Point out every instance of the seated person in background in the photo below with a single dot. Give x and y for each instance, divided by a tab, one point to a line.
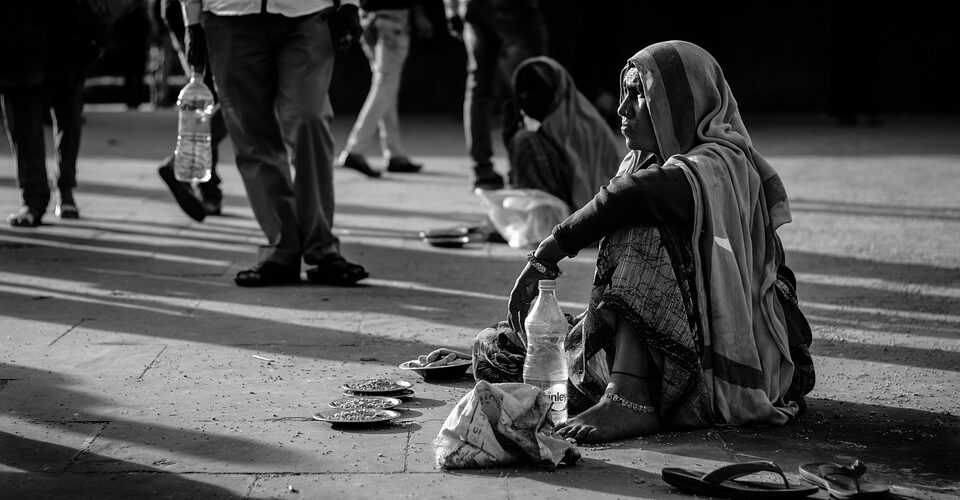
571	152
693	317
557	144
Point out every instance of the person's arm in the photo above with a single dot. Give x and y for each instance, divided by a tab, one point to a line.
653	196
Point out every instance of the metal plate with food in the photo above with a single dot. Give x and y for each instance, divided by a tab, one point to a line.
366	402
363	417
379	386
401	394
451	370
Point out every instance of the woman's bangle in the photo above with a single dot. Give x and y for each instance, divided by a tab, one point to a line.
548	270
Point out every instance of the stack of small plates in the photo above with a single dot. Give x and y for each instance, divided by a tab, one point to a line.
367	402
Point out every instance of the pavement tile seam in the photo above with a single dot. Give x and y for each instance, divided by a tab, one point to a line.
68	330
151	364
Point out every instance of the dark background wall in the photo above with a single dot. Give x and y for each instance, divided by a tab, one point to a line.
778	56
815	56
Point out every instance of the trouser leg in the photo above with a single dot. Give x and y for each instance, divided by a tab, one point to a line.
66	100
482	49
305	65
23	110
244	66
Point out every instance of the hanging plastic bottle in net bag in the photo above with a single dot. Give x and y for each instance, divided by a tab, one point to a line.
545	365
194	153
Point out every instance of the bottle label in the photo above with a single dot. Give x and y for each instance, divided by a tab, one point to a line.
558	396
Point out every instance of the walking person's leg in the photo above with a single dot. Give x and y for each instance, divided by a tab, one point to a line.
483	48
363	135
395	46
244	64
304	67
66	102
23	110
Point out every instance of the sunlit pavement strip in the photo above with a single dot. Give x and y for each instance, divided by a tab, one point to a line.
131	366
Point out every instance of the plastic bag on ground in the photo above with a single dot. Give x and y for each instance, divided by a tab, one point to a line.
524	217
502	424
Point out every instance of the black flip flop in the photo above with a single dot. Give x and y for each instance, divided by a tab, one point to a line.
722	482
843	482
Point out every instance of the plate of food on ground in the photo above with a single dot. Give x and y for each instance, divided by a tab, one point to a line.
402	394
441	364
377	386
366	403
362	417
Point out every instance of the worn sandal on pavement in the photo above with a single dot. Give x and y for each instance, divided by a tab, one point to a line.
723	482
335	270
842	482
267	274
24	217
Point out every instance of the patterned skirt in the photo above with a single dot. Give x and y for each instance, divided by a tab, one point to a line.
644	277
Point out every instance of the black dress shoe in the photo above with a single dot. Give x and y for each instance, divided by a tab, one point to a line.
488	180
403	166
358	163
182	193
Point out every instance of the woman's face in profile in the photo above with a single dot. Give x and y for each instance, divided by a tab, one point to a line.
635	123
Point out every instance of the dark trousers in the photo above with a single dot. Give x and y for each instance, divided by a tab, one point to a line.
498	35
273	73
23	110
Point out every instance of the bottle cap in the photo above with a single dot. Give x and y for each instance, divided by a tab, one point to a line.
548	284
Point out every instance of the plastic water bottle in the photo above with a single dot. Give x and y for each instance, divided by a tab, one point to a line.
546	363
193	156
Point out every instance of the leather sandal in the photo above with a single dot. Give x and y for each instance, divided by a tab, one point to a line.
267	274
24	217
337	271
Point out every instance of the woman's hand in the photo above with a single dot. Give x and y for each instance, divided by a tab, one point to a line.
524	291
527	287
443	352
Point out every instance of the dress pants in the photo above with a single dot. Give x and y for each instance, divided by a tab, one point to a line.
272	73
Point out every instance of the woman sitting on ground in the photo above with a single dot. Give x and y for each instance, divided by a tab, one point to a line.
693	318
556	140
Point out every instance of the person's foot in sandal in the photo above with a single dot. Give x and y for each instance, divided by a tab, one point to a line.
267	274
24	217
335	270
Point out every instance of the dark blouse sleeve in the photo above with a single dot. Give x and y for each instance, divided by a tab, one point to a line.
652	196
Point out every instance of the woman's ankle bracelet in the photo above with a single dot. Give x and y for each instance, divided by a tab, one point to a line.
639	408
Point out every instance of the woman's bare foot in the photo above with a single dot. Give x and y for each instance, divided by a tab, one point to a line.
607	421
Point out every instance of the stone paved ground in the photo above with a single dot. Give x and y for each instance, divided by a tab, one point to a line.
128	364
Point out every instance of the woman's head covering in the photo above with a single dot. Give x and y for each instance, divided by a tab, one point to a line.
694	111
573	123
739	202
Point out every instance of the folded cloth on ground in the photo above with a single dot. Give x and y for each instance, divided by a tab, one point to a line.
502	424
